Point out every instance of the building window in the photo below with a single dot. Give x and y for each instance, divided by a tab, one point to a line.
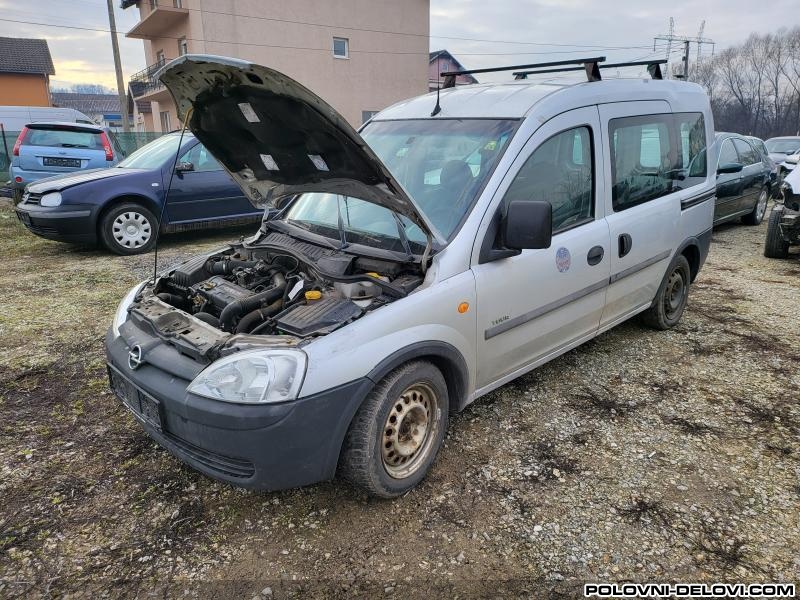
183	47
165	124
341	47
160	57
366	115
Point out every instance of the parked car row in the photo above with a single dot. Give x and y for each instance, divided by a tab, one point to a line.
400	272
70	196
122	206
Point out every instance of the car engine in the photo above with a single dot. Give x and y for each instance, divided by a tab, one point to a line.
273	289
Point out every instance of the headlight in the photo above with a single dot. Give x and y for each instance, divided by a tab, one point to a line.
51	199
122	310
253	377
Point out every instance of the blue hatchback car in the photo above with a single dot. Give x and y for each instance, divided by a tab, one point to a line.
120	207
53	148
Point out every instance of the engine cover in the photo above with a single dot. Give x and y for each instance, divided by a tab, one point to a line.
220	292
317	317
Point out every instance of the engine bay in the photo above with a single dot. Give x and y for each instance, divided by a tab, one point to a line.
281	287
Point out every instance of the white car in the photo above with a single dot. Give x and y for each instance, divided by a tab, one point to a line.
452	245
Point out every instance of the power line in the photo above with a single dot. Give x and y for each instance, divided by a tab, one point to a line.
102	30
348	28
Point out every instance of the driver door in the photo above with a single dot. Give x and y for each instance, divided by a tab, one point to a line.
539	303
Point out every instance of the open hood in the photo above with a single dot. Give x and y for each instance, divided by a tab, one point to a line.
276	137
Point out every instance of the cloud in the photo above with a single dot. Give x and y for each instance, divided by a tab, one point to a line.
589	26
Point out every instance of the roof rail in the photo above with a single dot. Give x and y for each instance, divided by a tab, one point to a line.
590	65
653	67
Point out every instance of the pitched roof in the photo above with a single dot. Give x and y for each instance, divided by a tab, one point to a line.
25	55
436	54
88	104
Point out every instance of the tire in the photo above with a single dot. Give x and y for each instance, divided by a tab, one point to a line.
671	298
775	246
376	457
128	228
759	210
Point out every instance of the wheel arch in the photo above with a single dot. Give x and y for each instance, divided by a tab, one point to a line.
695	250
443	356
149	203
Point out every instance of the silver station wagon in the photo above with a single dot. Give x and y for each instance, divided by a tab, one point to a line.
458	241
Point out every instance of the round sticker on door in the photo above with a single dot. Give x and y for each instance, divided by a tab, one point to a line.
563	260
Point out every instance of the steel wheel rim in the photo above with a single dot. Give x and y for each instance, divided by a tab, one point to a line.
410	431
762	205
674	294
131	229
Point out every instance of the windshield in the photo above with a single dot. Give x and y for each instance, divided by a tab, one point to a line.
354	221
153	155
442	164
783	146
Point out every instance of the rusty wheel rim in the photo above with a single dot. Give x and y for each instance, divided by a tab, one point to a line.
410	431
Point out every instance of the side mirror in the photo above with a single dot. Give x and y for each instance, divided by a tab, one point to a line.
182	167
730	168
528	225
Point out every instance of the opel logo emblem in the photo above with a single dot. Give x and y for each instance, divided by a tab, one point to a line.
135	357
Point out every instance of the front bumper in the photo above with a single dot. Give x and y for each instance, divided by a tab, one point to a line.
270	447
65	223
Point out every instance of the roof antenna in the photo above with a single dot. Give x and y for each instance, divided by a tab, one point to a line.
166	193
437	109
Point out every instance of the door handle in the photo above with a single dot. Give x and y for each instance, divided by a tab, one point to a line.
625	244
595	255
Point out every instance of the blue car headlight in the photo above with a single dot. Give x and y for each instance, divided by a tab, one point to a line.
253	377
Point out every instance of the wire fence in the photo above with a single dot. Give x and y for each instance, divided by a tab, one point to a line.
127	142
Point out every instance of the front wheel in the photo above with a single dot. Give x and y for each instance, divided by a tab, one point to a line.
128	228
397	432
759	210
775	246
671	298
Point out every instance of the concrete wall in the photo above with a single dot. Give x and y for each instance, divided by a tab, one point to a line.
17	89
383	68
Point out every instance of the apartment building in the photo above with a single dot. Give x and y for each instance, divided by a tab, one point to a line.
359	55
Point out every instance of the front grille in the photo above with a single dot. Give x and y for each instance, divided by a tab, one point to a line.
33	199
224	465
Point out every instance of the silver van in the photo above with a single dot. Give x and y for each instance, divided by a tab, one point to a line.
458	241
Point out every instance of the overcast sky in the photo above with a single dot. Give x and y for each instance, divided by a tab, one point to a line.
565	28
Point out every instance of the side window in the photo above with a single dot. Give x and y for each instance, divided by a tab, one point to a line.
727	154
201	159
643	159
747	155
692	150
560	171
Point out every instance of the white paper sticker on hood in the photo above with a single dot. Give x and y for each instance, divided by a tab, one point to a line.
248	112
269	162
319	162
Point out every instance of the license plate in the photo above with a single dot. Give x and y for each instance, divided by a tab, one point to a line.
143	406
50	161
24	217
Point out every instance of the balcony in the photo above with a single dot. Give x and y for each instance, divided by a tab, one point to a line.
163	18
144	85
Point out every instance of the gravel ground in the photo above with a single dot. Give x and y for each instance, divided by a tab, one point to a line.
640	456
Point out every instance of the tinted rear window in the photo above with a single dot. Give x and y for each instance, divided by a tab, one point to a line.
63	138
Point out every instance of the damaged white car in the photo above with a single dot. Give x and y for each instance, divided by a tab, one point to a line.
408	269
